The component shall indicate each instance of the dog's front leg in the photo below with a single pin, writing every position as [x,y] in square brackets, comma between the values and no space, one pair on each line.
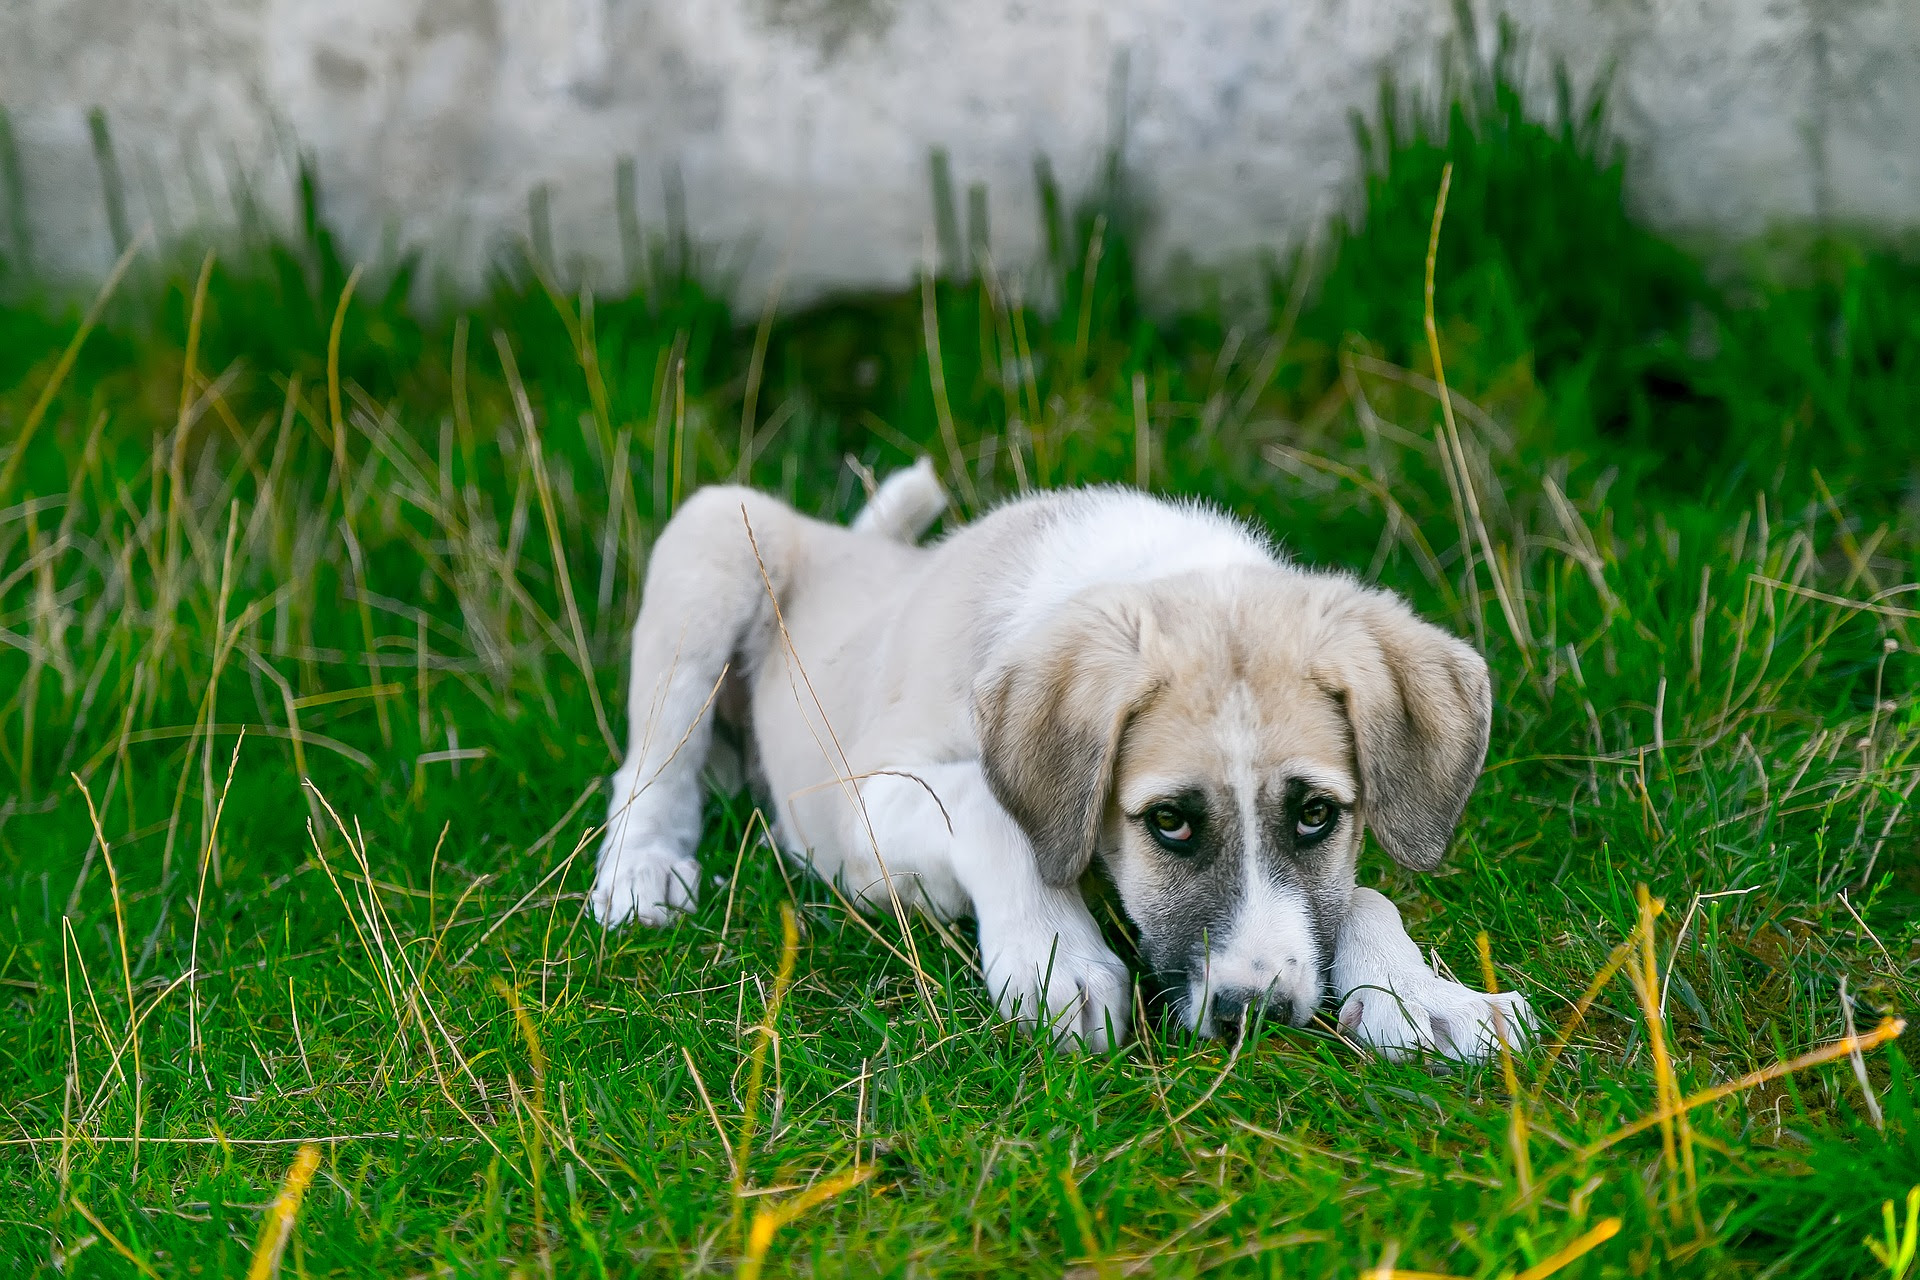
[1045,963]
[1041,952]
[1391,1000]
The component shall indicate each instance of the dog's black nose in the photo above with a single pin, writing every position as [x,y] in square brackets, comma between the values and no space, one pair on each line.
[1232,1008]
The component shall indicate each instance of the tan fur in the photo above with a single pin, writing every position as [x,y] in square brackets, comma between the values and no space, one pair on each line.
[1339,676]
[963,728]
[1235,655]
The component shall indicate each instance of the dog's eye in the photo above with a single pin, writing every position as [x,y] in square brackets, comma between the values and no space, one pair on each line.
[1170,826]
[1316,818]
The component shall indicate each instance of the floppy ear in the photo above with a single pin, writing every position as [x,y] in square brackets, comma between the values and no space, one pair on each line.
[1421,705]
[1049,719]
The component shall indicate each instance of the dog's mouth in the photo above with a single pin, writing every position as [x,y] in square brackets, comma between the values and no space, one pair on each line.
[1179,1000]
[1229,1017]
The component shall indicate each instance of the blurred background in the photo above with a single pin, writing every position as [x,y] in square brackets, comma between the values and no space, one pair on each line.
[796,135]
[1637,183]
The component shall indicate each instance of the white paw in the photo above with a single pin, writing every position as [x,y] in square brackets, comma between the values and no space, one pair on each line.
[1080,992]
[643,883]
[1433,1015]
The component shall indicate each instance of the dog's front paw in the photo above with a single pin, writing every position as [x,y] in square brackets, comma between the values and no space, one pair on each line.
[1081,994]
[1437,1016]
[644,883]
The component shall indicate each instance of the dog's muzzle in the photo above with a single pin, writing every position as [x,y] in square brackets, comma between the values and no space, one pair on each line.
[1226,1012]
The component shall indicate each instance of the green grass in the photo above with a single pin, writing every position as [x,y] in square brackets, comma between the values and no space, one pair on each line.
[1681,474]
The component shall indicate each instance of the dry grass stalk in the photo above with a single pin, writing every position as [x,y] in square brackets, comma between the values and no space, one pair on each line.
[771,1219]
[1621,954]
[126,972]
[277,1228]
[119,1246]
[1888,1030]
[38,414]
[1517,1141]
[756,1069]
[544,488]
[1676,1133]
[535,1147]
[1454,458]
[936,373]
[706,1100]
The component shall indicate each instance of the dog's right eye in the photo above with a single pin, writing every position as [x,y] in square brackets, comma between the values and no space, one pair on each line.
[1170,826]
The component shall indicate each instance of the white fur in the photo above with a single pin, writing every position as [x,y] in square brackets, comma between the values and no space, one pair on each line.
[859,653]
[905,505]
[1391,1000]
[1269,948]
[1118,535]
[934,835]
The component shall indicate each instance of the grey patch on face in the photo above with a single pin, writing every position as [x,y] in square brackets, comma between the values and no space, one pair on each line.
[1313,869]
[1201,894]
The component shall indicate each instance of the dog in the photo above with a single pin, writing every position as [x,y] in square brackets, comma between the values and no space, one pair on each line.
[1080,676]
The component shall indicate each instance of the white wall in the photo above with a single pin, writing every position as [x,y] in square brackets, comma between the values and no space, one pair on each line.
[801,129]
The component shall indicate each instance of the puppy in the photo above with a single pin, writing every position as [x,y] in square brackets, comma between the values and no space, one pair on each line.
[964,728]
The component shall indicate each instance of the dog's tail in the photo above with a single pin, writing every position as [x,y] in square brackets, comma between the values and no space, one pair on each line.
[905,506]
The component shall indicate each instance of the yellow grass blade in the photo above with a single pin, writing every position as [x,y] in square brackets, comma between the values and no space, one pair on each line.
[126,973]
[535,1149]
[139,1263]
[1453,459]
[1897,1253]
[1600,980]
[767,1221]
[335,419]
[1089,1240]
[543,488]
[756,1070]
[1517,1123]
[1676,1141]
[277,1228]
[1888,1030]
[1581,1246]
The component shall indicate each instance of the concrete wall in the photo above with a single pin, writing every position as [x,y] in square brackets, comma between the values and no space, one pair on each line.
[800,130]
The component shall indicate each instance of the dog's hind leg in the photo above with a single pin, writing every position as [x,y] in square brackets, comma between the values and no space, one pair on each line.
[708,596]
[905,506]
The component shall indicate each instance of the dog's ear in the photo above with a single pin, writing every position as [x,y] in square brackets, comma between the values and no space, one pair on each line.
[1049,719]
[1421,706]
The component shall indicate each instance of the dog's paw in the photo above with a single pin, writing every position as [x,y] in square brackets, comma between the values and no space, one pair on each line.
[1080,994]
[646,884]
[1439,1017]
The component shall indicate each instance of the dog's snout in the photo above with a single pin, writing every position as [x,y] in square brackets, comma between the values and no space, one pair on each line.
[1229,996]
[1266,963]
[1233,1008]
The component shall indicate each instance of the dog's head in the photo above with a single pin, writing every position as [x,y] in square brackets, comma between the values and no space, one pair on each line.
[1221,740]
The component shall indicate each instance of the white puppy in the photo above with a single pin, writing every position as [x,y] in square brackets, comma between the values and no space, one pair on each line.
[963,728]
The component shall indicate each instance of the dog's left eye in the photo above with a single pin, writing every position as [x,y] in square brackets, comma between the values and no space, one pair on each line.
[1316,818]
[1169,825]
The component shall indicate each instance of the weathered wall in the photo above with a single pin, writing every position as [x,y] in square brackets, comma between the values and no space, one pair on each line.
[800,130]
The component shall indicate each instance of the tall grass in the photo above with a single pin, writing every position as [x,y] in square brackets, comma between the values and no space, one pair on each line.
[306,603]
